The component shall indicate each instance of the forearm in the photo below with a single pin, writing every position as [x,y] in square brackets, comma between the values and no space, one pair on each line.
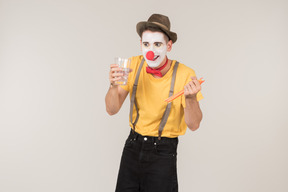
[192,113]
[112,100]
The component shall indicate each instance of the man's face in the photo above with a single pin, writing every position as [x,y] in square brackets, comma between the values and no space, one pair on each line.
[155,42]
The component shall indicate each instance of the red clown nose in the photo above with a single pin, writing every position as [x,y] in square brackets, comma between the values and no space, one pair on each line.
[150,55]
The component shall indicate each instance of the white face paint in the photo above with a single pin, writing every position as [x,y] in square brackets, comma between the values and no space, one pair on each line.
[154,41]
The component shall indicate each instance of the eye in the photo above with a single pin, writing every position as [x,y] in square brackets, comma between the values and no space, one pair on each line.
[158,44]
[145,44]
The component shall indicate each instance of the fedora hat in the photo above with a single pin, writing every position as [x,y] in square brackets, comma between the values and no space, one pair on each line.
[159,21]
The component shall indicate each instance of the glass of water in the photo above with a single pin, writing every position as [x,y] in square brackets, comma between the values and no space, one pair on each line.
[124,64]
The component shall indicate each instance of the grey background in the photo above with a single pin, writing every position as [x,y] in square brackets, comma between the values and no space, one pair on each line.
[55,134]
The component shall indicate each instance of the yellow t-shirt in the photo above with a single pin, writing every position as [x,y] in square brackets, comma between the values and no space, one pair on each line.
[150,95]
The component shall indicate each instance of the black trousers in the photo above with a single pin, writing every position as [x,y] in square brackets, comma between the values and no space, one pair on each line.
[148,165]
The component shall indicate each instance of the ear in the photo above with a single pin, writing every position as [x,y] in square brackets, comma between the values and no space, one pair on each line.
[141,44]
[169,46]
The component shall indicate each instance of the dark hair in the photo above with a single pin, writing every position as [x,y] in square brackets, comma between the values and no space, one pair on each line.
[155,29]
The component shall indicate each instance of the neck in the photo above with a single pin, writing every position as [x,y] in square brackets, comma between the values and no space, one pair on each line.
[166,66]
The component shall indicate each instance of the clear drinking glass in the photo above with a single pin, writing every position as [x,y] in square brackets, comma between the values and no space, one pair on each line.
[125,65]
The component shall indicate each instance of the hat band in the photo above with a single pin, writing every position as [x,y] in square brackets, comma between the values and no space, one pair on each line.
[161,25]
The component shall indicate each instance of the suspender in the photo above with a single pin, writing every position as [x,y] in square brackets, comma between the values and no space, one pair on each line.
[134,102]
[168,107]
[133,99]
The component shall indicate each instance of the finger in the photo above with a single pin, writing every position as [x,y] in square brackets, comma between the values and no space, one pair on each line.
[192,83]
[197,86]
[192,87]
[189,89]
[114,75]
[193,77]
[116,69]
[113,66]
[186,90]
[196,82]
[115,78]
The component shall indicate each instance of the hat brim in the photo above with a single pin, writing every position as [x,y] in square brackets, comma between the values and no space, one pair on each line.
[144,24]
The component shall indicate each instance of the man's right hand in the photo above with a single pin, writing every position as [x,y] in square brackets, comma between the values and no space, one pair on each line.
[114,74]
[115,95]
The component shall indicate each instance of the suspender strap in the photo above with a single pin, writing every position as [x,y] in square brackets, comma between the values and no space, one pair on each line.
[168,107]
[133,97]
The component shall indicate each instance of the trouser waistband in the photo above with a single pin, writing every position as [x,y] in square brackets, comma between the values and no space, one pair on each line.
[138,137]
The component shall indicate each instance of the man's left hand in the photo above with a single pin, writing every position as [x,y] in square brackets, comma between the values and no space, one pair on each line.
[192,88]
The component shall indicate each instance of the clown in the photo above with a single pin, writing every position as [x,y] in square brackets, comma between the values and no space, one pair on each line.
[155,46]
[149,157]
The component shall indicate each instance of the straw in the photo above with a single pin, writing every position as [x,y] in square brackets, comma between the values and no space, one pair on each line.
[170,99]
